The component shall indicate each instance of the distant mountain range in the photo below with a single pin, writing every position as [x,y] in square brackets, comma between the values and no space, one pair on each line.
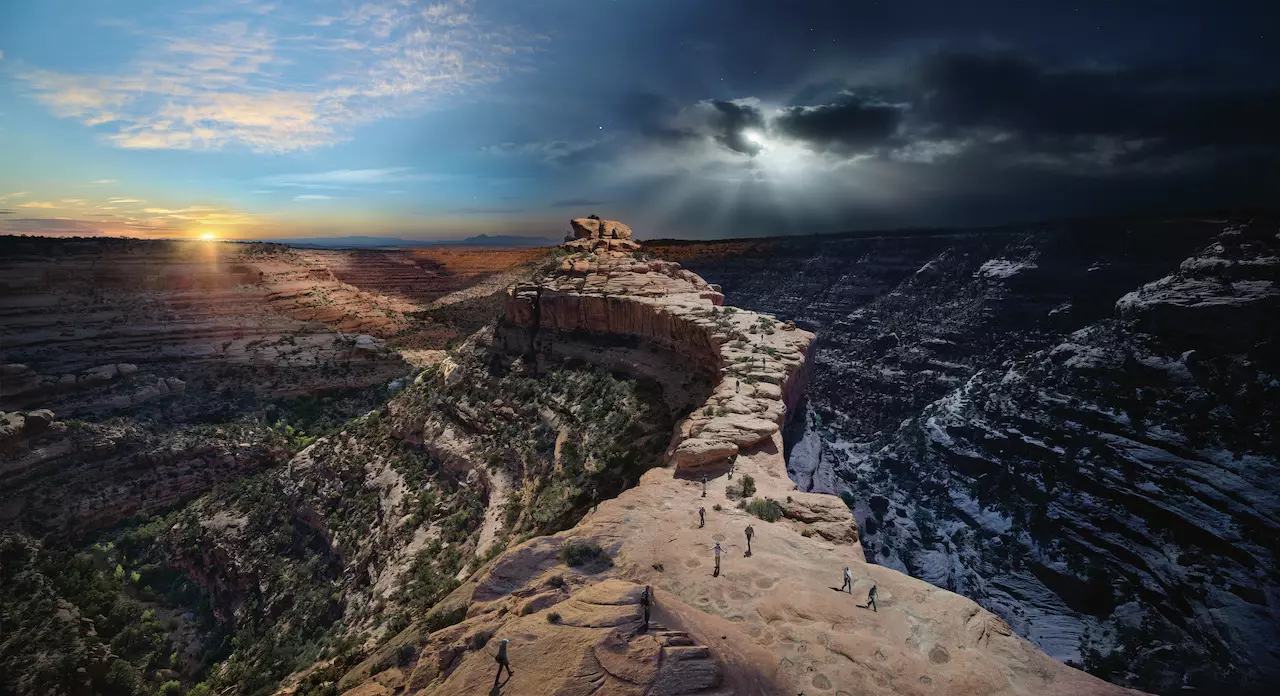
[362,242]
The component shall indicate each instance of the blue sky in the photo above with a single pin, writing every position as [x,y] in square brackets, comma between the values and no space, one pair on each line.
[713,118]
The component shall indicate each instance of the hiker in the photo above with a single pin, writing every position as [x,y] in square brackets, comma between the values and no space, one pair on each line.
[717,549]
[750,533]
[848,581]
[644,602]
[871,599]
[502,661]
[704,485]
[732,463]
[702,517]
[737,386]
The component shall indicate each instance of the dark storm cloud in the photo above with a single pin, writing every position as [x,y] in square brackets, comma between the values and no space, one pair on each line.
[731,121]
[852,125]
[1149,112]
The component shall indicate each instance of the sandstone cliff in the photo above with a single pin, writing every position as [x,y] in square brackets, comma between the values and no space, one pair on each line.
[771,621]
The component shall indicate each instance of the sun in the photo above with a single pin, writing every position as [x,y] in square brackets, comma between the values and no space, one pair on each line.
[208,236]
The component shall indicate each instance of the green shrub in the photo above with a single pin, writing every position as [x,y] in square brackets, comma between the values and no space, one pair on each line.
[587,556]
[717,507]
[553,617]
[173,687]
[766,509]
[438,620]
[481,639]
[405,654]
[744,488]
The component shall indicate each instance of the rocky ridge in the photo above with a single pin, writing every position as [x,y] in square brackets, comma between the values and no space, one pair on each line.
[772,621]
[1069,423]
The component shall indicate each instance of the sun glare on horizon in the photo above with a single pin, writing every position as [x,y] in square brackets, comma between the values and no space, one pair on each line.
[208,236]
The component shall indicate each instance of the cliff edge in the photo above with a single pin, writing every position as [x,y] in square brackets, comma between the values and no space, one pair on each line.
[771,620]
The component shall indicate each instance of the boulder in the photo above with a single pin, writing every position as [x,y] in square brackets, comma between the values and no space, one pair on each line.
[38,421]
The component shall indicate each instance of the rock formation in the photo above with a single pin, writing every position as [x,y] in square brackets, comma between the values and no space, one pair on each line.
[592,233]
[1069,423]
[772,622]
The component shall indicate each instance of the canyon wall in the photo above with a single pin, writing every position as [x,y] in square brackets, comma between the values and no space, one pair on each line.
[768,617]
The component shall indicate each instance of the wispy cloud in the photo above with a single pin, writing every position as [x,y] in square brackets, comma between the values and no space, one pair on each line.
[8,212]
[342,178]
[103,181]
[275,86]
[127,200]
[38,204]
[15,194]
[312,197]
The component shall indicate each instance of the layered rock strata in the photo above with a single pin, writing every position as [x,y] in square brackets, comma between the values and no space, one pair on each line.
[757,363]
[771,620]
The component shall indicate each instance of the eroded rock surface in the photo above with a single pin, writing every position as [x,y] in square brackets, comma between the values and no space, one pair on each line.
[772,622]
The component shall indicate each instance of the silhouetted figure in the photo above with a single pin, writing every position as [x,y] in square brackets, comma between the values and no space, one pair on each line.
[717,549]
[737,386]
[644,602]
[848,581]
[702,517]
[750,533]
[732,463]
[871,600]
[704,485]
[503,662]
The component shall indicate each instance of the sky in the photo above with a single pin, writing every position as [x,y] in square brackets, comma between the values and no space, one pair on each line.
[683,118]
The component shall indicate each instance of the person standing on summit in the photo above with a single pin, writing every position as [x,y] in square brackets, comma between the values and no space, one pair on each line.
[717,549]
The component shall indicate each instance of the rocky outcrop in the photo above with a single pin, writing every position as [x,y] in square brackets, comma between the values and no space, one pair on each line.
[756,362]
[594,234]
[1078,442]
[772,621]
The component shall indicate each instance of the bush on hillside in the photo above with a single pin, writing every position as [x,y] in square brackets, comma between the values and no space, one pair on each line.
[766,509]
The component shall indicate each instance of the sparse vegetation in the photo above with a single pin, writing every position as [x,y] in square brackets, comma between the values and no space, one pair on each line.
[744,488]
[766,509]
[589,557]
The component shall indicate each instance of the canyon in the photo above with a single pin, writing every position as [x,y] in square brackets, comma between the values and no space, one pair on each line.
[1024,438]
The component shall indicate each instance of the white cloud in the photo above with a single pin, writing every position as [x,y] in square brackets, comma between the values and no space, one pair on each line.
[312,197]
[38,204]
[274,86]
[103,181]
[347,179]
[15,194]
[126,200]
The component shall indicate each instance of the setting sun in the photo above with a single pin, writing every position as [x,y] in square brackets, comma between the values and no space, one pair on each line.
[208,236]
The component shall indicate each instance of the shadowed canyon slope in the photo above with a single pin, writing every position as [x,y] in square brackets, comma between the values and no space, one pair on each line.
[163,361]
[1071,423]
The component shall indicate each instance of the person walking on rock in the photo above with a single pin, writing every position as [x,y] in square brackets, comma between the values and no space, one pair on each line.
[704,485]
[751,531]
[702,517]
[644,602]
[717,549]
[503,662]
[848,581]
[871,599]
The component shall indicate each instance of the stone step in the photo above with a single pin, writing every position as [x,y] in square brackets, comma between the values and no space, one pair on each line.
[676,640]
[687,652]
